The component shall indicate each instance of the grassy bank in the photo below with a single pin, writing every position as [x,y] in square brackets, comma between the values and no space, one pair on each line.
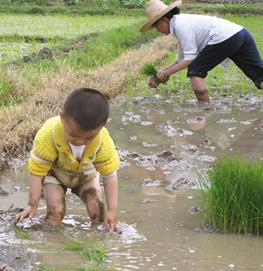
[233,201]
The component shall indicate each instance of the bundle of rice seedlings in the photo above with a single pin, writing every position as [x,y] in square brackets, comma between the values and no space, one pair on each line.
[89,251]
[149,69]
[233,200]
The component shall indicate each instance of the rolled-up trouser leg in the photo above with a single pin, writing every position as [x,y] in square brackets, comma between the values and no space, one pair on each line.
[202,95]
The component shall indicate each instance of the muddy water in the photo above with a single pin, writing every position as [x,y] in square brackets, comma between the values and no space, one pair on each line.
[165,148]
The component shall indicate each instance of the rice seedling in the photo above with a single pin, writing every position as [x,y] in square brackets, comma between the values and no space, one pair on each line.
[93,269]
[34,29]
[149,69]
[44,267]
[66,25]
[233,201]
[89,251]
[255,8]
[83,7]
[21,233]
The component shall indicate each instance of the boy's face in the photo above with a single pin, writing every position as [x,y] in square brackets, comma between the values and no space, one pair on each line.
[163,26]
[74,135]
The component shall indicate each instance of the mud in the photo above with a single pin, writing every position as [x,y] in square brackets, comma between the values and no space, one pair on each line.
[13,257]
[16,259]
[165,149]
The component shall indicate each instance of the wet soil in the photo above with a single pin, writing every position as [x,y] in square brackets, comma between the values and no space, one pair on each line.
[165,150]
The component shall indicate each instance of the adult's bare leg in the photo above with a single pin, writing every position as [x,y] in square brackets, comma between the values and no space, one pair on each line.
[200,89]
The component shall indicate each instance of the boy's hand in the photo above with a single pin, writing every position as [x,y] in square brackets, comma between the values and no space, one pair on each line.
[110,219]
[29,212]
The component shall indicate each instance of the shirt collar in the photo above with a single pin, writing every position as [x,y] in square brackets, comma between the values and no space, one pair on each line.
[172,25]
[63,146]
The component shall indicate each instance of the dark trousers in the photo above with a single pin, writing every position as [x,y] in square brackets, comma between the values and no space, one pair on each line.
[240,48]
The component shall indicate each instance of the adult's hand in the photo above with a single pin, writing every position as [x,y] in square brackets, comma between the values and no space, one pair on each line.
[153,82]
[162,76]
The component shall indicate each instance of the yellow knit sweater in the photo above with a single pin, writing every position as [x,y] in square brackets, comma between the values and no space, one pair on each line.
[50,149]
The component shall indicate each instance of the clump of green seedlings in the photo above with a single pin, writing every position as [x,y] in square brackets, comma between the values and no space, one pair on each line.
[44,267]
[233,201]
[21,233]
[93,269]
[89,251]
[149,69]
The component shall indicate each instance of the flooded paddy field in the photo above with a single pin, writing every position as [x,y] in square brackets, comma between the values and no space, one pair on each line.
[23,35]
[165,148]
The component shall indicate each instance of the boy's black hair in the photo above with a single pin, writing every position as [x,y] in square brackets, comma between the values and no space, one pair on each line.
[88,107]
[172,12]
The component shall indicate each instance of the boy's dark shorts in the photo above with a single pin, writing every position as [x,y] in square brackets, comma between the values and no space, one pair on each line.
[240,48]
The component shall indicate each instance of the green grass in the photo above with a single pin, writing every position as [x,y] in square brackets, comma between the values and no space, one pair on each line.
[233,201]
[5,91]
[89,251]
[105,47]
[26,34]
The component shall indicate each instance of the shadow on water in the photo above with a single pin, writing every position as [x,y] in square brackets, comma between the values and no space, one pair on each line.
[165,148]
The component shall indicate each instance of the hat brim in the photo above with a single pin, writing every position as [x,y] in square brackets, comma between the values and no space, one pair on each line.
[148,26]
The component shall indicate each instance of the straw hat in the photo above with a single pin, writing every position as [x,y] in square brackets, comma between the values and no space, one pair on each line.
[156,9]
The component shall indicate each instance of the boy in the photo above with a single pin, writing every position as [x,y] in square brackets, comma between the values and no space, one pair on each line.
[203,43]
[70,151]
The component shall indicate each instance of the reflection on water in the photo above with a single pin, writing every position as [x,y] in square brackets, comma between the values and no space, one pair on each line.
[165,149]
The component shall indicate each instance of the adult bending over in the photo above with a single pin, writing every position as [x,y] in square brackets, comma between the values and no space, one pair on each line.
[203,42]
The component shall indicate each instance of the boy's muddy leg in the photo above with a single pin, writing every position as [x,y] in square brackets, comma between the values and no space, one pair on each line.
[200,89]
[90,194]
[56,206]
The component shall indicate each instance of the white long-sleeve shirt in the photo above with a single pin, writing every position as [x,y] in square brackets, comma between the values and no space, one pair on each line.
[194,32]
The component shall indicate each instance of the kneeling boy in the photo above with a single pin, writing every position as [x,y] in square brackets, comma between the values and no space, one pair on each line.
[71,151]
